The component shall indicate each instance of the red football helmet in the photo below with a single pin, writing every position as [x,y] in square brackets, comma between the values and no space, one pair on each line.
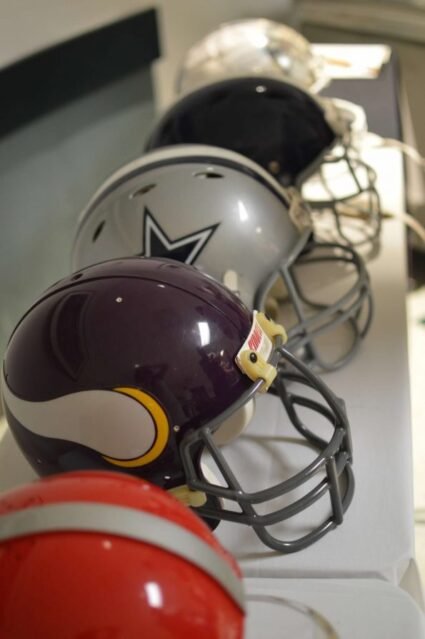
[99,555]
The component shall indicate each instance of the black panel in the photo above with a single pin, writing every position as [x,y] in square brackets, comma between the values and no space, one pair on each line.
[378,97]
[51,78]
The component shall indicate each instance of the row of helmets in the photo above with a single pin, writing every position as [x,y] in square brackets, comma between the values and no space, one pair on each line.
[148,358]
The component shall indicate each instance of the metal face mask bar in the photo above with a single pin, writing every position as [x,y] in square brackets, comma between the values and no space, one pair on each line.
[346,309]
[360,205]
[334,458]
[354,308]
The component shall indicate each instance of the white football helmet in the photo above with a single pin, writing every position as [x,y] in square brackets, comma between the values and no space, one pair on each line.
[251,47]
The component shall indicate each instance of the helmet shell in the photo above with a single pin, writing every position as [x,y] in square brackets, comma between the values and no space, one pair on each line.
[275,123]
[252,47]
[113,365]
[197,204]
[97,584]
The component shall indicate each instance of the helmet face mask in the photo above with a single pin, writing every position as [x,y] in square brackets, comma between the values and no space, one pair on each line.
[118,377]
[297,137]
[328,475]
[241,227]
[325,329]
[344,200]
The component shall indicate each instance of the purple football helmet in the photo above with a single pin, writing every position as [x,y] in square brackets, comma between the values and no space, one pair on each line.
[136,365]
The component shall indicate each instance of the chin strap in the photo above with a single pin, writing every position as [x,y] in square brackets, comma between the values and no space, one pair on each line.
[188,497]
[299,211]
[347,210]
[374,141]
[411,222]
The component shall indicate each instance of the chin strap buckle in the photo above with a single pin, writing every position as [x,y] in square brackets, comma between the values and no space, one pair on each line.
[189,497]
[252,358]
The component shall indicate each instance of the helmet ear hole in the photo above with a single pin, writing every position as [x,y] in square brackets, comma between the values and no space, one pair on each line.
[208,175]
[234,425]
[98,231]
[142,191]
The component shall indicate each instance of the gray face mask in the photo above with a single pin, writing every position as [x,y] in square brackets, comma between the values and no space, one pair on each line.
[329,475]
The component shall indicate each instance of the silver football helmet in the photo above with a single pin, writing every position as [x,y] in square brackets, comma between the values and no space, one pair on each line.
[250,47]
[224,214]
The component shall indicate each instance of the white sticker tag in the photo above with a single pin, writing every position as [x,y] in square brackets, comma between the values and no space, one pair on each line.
[257,341]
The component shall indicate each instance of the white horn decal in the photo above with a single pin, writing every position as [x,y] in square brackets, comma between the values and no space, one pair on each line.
[125,425]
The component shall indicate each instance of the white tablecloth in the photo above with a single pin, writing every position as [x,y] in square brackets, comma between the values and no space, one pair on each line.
[355,608]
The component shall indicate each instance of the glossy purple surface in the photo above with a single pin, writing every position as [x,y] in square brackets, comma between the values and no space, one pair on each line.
[152,324]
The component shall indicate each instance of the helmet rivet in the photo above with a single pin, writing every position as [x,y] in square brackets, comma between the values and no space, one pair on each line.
[118,300]
[274,167]
[253,357]
[176,428]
